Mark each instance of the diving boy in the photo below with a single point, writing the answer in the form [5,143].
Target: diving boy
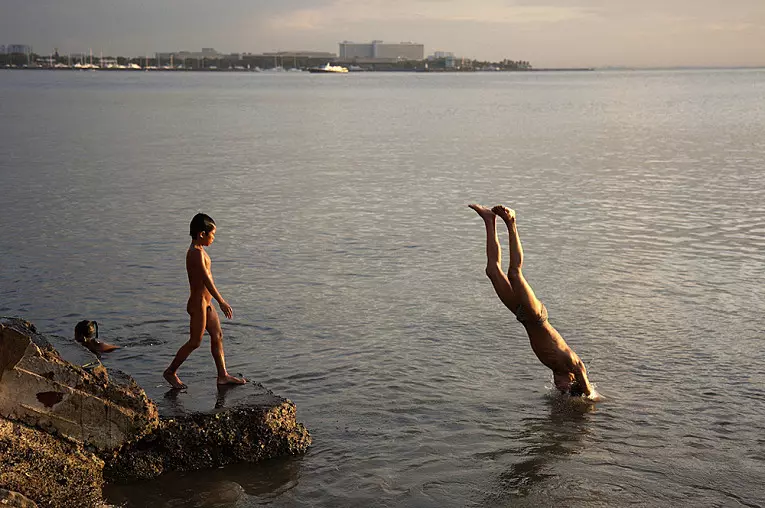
[199,307]
[514,291]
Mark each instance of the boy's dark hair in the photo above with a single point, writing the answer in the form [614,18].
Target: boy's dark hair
[201,223]
[85,330]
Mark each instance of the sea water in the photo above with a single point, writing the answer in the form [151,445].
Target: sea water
[356,272]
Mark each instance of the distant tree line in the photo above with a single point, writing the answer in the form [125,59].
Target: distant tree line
[248,61]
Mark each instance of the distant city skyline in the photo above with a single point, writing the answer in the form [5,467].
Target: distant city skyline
[551,33]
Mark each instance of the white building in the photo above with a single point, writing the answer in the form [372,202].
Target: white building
[18,48]
[378,50]
[437,55]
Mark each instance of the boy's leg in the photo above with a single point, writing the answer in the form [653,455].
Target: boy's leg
[494,259]
[216,347]
[524,294]
[198,323]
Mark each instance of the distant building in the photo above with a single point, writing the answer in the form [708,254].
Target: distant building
[437,55]
[450,61]
[18,48]
[180,56]
[378,50]
[299,54]
[2,49]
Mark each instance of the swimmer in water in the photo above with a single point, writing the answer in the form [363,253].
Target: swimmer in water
[199,307]
[86,333]
[513,290]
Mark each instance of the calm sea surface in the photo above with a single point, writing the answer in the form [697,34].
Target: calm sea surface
[356,271]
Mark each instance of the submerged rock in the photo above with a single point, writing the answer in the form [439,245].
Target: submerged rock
[257,425]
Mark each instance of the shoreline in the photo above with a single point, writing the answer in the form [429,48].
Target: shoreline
[299,71]
[69,426]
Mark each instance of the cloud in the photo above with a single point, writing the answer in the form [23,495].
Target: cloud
[729,27]
[546,32]
[344,12]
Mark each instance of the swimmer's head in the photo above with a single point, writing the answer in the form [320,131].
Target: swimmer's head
[201,224]
[85,330]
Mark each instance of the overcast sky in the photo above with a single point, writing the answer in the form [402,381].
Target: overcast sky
[548,33]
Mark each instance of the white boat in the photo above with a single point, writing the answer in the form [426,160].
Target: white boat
[328,69]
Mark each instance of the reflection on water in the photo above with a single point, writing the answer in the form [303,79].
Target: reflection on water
[539,444]
[224,487]
[223,390]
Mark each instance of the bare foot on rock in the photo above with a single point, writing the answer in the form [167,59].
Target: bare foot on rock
[484,212]
[228,379]
[505,213]
[173,379]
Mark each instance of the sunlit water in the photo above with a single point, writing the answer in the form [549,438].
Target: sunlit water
[356,271]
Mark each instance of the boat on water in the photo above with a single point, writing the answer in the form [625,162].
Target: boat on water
[328,69]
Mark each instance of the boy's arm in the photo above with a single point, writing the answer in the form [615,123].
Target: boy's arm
[580,373]
[201,272]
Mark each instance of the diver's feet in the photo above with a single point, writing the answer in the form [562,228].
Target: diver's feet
[485,213]
[505,213]
[228,379]
[172,378]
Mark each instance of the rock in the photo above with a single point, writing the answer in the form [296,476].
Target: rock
[64,428]
[39,388]
[15,500]
[258,426]
[54,472]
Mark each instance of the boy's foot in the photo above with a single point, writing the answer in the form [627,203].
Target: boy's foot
[228,379]
[173,379]
[505,213]
[484,212]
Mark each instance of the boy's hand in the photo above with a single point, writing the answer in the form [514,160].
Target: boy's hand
[226,308]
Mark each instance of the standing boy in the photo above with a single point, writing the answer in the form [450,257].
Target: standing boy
[203,315]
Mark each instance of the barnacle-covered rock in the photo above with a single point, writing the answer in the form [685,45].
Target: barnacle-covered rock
[256,425]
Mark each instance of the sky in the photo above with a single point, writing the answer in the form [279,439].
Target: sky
[548,33]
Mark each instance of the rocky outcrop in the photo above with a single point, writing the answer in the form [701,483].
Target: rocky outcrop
[258,426]
[39,388]
[65,427]
[15,500]
[54,472]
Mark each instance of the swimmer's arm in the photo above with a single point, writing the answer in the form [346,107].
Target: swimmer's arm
[199,271]
[580,373]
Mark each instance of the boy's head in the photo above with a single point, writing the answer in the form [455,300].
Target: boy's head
[85,330]
[201,223]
